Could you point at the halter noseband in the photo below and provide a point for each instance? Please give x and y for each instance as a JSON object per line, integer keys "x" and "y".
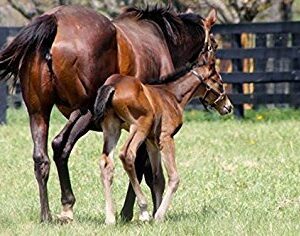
{"x": 207, "y": 91}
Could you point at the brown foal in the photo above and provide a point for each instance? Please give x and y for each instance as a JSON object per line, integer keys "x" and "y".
{"x": 152, "y": 113}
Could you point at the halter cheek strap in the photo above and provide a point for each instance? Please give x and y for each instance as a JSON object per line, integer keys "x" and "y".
{"x": 208, "y": 90}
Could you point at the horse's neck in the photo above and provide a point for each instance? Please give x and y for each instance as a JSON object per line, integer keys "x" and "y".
{"x": 142, "y": 52}
{"x": 189, "y": 47}
{"x": 184, "y": 88}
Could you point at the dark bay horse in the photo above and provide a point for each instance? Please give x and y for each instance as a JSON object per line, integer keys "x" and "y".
{"x": 65, "y": 55}
{"x": 151, "y": 113}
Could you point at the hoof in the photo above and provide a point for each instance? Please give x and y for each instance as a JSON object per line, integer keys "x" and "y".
{"x": 65, "y": 217}
{"x": 126, "y": 217}
{"x": 144, "y": 216}
{"x": 110, "y": 221}
{"x": 159, "y": 218}
{"x": 46, "y": 218}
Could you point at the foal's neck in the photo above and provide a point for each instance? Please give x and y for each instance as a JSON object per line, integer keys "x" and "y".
{"x": 184, "y": 89}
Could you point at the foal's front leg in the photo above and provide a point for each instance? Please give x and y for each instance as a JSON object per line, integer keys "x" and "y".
{"x": 111, "y": 131}
{"x": 168, "y": 157}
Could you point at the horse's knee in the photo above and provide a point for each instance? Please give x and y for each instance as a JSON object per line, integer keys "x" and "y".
{"x": 41, "y": 166}
{"x": 61, "y": 155}
{"x": 107, "y": 168}
{"x": 56, "y": 143}
{"x": 57, "y": 148}
{"x": 127, "y": 160}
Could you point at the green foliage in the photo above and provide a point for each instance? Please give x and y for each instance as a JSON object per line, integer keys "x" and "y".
{"x": 237, "y": 178}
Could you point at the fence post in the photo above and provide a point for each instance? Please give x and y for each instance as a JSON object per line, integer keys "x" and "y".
{"x": 295, "y": 87}
{"x": 3, "y": 87}
{"x": 237, "y": 66}
{"x": 260, "y": 65}
{"x": 3, "y": 102}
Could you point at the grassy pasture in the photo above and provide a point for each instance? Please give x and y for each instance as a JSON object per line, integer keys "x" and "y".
{"x": 237, "y": 178}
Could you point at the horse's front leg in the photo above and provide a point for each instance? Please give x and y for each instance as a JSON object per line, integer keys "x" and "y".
{"x": 39, "y": 124}
{"x": 153, "y": 166}
{"x": 62, "y": 145}
{"x": 168, "y": 157}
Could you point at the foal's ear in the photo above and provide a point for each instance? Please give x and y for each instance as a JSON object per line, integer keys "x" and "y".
{"x": 211, "y": 19}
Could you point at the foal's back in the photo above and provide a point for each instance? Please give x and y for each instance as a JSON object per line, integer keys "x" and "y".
{"x": 132, "y": 99}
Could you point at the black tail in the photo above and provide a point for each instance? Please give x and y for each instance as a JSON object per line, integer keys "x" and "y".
{"x": 38, "y": 36}
{"x": 103, "y": 98}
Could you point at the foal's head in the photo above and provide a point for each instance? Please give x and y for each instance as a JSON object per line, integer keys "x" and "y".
{"x": 211, "y": 90}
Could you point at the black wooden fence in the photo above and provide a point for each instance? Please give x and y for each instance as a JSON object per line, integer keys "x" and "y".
{"x": 5, "y": 32}
{"x": 274, "y": 43}
{"x": 286, "y": 46}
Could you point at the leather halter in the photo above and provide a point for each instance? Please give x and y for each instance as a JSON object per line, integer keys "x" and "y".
{"x": 207, "y": 48}
{"x": 208, "y": 90}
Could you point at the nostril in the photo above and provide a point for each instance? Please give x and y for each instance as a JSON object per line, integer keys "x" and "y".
{"x": 229, "y": 108}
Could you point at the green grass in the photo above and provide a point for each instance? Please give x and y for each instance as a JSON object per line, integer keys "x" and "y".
{"x": 237, "y": 178}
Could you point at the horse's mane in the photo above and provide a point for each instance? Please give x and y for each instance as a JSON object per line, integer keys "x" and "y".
{"x": 172, "y": 76}
{"x": 171, "y": 23}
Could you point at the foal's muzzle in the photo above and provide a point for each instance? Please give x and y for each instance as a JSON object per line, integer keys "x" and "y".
{"x": 224, "y": 106}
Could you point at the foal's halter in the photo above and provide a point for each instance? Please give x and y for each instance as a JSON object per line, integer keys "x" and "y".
{"x": 207, "y": 48}
{"x": 208, "y": 90}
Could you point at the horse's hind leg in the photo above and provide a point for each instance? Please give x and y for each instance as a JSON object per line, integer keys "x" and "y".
{"x": 77, "y": 126}
{"x": 37, "y": 93}
{"x": 39, "y": 124}
{"x": 128, "y": 155}
{"x": 60, "y": 140}
{"x": 111, "y": 127}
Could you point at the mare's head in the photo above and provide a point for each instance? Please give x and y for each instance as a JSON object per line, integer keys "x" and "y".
{"x": 196, "y": 32}
{"x": 211, "y": 90}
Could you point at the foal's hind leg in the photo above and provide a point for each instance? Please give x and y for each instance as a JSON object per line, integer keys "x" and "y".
{"x": 128, "y": 155}
{"x": 111, "y": 127}
{"x": 77, "y": 126}
{"x": 140, "y": 163}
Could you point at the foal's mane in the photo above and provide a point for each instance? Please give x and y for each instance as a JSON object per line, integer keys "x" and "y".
{"x": 174, "y": 75}
{"x": 171, "y": 23}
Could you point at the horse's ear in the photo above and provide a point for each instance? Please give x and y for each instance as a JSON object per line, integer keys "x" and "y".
{"x": 211, "y": 19}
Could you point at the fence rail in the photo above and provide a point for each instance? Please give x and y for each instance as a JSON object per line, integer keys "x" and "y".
{"x": 276, "y": 41}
